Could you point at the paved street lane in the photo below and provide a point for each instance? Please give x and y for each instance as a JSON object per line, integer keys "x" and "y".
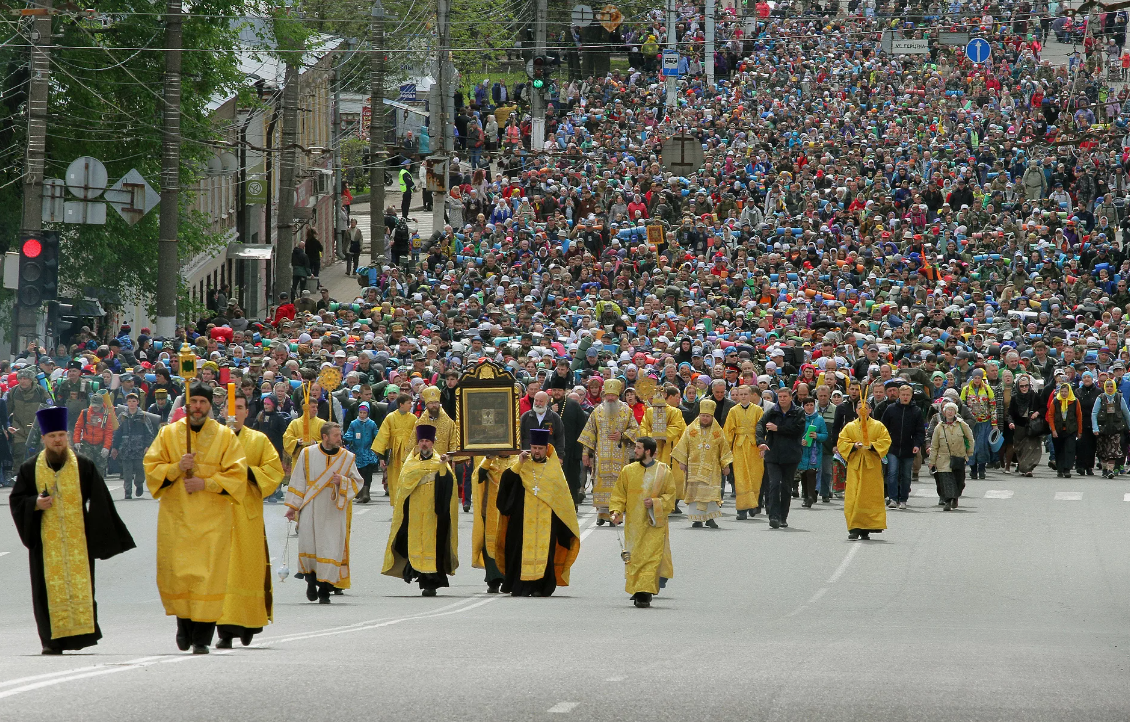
{"x": 1009, "y": 608}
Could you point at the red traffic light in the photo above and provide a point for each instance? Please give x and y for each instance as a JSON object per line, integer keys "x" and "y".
{"x": 31, "y": 248}
{"x": 539, "y": 61}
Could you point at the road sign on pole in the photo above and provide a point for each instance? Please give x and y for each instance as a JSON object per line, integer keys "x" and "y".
{"x": 978, "y": 50}
{"x": 670, "y": 63}
{"x": 682, "y": 155}
{"x": 582, "y": 16}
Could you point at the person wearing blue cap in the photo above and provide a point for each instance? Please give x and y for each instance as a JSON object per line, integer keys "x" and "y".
{"x": 60, "y": 492}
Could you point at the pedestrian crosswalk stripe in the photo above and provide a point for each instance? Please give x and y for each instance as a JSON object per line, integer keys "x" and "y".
{"x": 1069, "y": 496}
{"x": 924, "y": 493}
{"x": 1126, "y": 497}
{"x": 999, "y": 494}
{"x": 562, "y": 707}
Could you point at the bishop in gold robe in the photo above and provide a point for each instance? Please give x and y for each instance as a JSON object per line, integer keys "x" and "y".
{"x": 249, "y": 602}
{"x": 484, "y": 528}
{"x": 423, "y": 541}
{"x": 538, "y": 537}
{"x": 703, "y": 454}
{"x": 664, "y": 422}
{"x": 434, "y": 415}
{"x": 65, "y": 517}
{"x": 197, "y": 469}
{"x": 396, "y": 441}
{"x": 644, "y": 496}
{"x": 608, "y": 439}
{"x": 741, "y": 433}
{"x": 863, "y": 443}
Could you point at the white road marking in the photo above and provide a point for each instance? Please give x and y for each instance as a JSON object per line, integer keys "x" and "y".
{"x": 2, "y": 554}
{"x": 562, "y": 708}
{"x": 999, "y": 494}
{"x": 113, "y": 488}
{"x": 362, "y": 512}
{"x": 80, "y": 673}
{"x": 615, "y": 679}
{"x": 1125, "y": 497}
{"x": 926, "y": 493}
{"x": 589, "y": 518}
{"x": 1069, "y": 496}
{"x": 844, "y": 564}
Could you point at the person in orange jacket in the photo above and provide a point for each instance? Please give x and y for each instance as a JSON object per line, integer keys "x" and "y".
{"x": 93, "y": 435}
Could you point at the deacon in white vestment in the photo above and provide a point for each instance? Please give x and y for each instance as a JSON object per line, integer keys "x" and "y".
{"x": 322, "y": 487}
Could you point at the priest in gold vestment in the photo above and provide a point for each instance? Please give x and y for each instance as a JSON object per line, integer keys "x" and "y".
{"x": 608, "y": 439}
{"x": 538, "y": 537}
{"x": 196, "y": 468}
{"x": 65, "y": 516}
{"x": 863, "y": 443}
{"x": 304, "y": 431}
{"x": 484, "y": 529}
{"x": 644, "y": 495}
{"x": 249, "y": 602}
{"x": 741, "y": 433}
{"x": 703, "y": 454}
{"x": 423, "y": 541}
{"x": 395, "y": 441}
{"x": 663, "y": 421}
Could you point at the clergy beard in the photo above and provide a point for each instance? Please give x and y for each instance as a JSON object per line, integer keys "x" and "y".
{"x": 540, "y": 410}
{"x": 610, "y": 406}
{"x": 425, "y": 455}
{"x": 55, "y": 458}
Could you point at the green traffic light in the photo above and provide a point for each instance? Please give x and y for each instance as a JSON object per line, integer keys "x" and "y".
{"x": 539, "y": 83}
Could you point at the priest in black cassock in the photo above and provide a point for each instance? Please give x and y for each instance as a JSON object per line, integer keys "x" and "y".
{"x": 573, "y": 419}
{"x": 66, "y": 518}
{"x": 538, "y": 538}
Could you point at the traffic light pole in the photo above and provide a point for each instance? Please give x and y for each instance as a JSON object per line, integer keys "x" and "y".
{"x": 168, "y": 255}
{"x": 26, "y": 319}
{"x": 537, "y": 96}
{"x": 377, "y": 136}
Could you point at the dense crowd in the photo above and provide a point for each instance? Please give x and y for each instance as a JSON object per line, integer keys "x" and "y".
{"x": 917, "y": 229}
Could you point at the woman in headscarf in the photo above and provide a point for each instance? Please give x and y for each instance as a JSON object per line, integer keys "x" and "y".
{"x": 1087, "y": 393}
{"x": 1024, "y": 425}
{"x": 1065, "y": 418}
{"x": 1109, "y": 420}
{"x": 951, "y": 445}
{"x": 982, "y": 402}
{"x": 1004, "y": 398}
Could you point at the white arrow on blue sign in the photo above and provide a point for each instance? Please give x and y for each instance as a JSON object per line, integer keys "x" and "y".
{"x": 978, "y": 50}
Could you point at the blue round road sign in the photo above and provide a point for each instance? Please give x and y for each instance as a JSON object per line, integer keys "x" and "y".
{"x": 978, "y": 50}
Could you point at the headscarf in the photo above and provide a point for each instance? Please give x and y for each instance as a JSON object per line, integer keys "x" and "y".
{"x": 1065, "y": 402}
{"x": 1109, "y": 387}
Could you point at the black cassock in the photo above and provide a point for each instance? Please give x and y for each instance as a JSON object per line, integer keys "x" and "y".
{"x": 512, "y": 502}
{"x": 445, "y": 486}
{"x": 106, "y": 536}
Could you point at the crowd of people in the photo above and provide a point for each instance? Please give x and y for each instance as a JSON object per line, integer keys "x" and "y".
{"x": 885, "y": 262}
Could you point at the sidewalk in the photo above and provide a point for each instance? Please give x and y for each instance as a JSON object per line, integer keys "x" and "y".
{"x": 345, "y": 288}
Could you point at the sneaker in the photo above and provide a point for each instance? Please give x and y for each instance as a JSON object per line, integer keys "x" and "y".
{"x": 891, "y": 504}
{"x": 902, "y": 505}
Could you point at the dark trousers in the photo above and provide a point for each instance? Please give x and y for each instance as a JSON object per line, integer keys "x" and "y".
{"x": 777, "y": 501}
{"x": 367, "y": 473}
{"x": 296, "y": 284}
{"x": 808, "y": 484}
{"x": 133, "y": 475}
{"x": 197, "y": 632}
{"x": 406, "y": 203}
{"x": 1064, "y": 445}
{"x": 351, "y": 262}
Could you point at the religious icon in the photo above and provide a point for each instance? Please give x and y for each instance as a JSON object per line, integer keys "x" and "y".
{"x": 486, "y": 410}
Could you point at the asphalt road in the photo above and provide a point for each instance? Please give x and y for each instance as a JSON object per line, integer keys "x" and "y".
{"x": 1010, "y": 608}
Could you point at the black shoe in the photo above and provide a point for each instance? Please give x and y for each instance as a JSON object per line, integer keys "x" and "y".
{"x": 741, "y": 515}
{"x": 363, "y": 497}
{"x": 641, "y": 603}
{"x": 1067, "y": 475}
{"x": 941, "y": 502}
{"x": 853, "y": 535}
{"x": 323, "y": 599}
{"x": 224, "y": 643}
{"x": 600, "y": 522}
{"x": 774, "y": 524}
{"x": 784, "y": 525}
{"x": 466, "y": 508}
{"x": 50, "y": 651}
{"x": 712, "y": 524}
{"x": 696, "y": 525}
{"x": 428, "y": 593}
{"x": 312, "y": 590}
{"x": 754, "y": 511}
{"x": 677, "y": 510}
{"x": 865, "y": 536}
{"x": 826, "y": 500}
{"x": 796, "y": 494}
{"x": 953, "y": 503}
{"x": 947, "y": 507}
{"x": 338, "y": 592}
{"x": 492, "y": 587}
{"x": 245, "y": 637}
{"x": 182, "y": 642}
{"x": 200, "y": 649}
{"x": 128, "y": 497}
{"x": 140, "y": 492}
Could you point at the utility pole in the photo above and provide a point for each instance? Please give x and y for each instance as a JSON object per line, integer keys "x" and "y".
{"x": 537, "y": 96}
{"x": 26, "y": 319}
{"x": 710, "y": 44}
{"x": 446, "y": 106}
{"x": 377, "y": 136}
{"x": 284, "y": 241}
{"x": 168, "y": 256}
{"x": 672, "y": 90}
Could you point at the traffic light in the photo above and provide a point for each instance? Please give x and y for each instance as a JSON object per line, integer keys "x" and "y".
{"x": 539, "y": 71}
{"x": 39, "y": 268}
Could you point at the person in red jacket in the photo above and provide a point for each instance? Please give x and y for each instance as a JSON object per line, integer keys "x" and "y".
{"x": 94, "y": 434}
{"x": 285, "y": 311}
